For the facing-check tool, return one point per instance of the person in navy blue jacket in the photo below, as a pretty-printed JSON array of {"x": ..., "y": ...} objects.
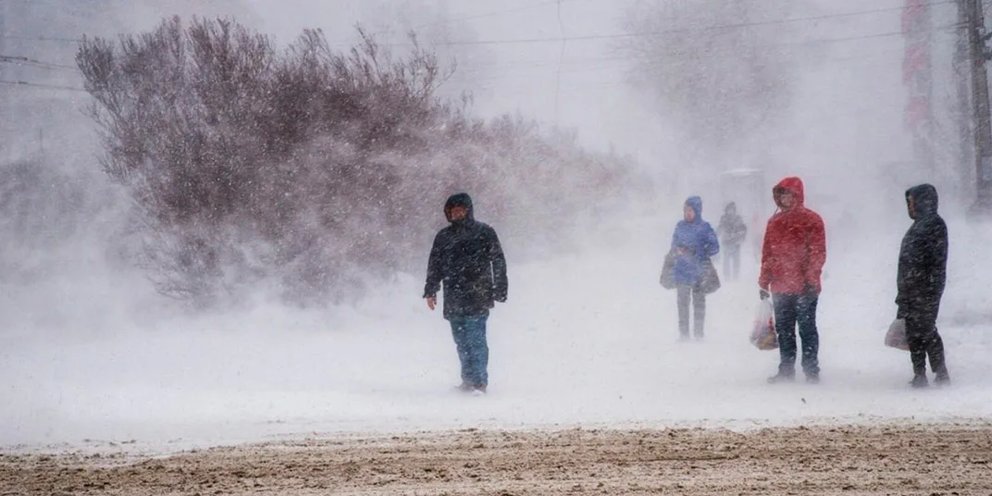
[
  {"x": 468, "y": 260},
  {"x": 693, "y": 242}
]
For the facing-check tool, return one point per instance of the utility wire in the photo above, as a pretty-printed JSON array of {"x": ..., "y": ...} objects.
[
  {"x": 16, "y": 59},
  {"x": 488, "y": 14},
  {"x": 718, "y": 27},
  {"x": 41, "y": 85},
  {"x": 848, "y": 62},
  {"x": 41, "y": 38},
  {"x": 707, "y": 54}
]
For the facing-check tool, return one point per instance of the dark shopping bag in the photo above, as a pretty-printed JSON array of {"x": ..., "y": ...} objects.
[
  {"x": 763, "y": 334},
  {"x": 710, "y": 281},
  {"x": 668, "y": 271}
]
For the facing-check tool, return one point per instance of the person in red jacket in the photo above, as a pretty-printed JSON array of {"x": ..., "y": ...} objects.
[{"x": 792, "y": 258}]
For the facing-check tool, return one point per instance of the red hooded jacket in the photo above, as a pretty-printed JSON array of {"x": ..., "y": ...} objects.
[{"x": 795, "y": 247}]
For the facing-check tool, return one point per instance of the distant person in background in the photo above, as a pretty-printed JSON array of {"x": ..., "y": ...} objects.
[
  {"x": 467, "y": 259},
  {"x": 920, "y": 282},
  {"x": 693, "y": 243},
  {"x": 792, "y": 257},
  {"x": 732, "y": 233}
]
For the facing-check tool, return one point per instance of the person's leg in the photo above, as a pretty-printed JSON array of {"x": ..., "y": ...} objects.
[
  {"x": 806, "y": 318},
  {"x": 928, "y": 343},
  {"x": 683, "y": 305},
  {"x": 917, "y": 330},
  {"x": 726, "y": 266},
  {"x": 478, "y": 351},
  {"x": 698, "y": 312},
  {"x": 785, "y": 326},
  {"x": 460, "y": 334},
  {"x": 735, "y": 254},
  {"x": 935, "y": 349}
]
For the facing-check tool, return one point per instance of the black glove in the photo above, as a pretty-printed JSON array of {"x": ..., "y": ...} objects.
[{"x": 763, "y": 294}]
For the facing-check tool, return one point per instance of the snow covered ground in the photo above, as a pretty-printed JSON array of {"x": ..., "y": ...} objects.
[{"x": 587, "y": 338}]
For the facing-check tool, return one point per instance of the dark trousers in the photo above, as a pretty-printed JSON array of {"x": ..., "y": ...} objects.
[
  {"x": 685, "y": 293},
  {"x": 792, "y": 309},
  {"x": 924, "y": 341},
  {"x": 473, "y": 351},
  {"x": 731, "y": 262}
]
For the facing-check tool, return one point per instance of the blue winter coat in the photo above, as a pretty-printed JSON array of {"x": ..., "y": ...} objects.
[{"x": 694, "y": 242}]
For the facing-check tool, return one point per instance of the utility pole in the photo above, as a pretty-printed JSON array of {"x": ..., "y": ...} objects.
[
  {"x": 973, "y": 19},
  {"x": 4, "y": 107}
]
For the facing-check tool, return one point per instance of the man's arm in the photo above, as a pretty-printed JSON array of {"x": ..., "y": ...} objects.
[
  {"x": 764, "y": 277},
  {"x": 937, "y": 255},
  {"x": 817, "y": 252},
  {"x": 711, "y": 245},
  {"x": 498, "y": 264},
  {"x": 434, "y": 274}
]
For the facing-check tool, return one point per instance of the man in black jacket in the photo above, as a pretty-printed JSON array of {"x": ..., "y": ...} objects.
[
  {"x": 468, "y": 260},
  {"x": 922, "y": 272}
]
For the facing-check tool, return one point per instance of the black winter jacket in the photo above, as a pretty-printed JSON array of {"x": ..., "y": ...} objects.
[
  {"x": 922, "y": 257},
  {"x": 468, "y": 259}
]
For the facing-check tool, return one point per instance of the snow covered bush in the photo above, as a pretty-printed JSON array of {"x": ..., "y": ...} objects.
[{"x": 309, "y": 168}]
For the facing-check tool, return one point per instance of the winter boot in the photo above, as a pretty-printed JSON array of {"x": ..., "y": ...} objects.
[
  {"x": 782, "y": 376},
  {"x": 919, "y": 381},
  {"x": 942, "y": 379}
]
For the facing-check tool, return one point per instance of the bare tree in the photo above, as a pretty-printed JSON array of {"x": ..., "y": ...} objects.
[
  {"x": 715, "y": 69},
  {"x": 308, "y": 168}
]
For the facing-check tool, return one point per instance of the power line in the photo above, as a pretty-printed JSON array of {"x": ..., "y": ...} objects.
[
  {"x": 848, "y": 62},
  {"x": 698, "y": 55},
  {"x": 682, "y": 30},
  {"x": 16, "y": 59},
  {"x": 41, "y": 38},
  {"x": 41, "y": 85},
  {"x": 488, "y": 14}
]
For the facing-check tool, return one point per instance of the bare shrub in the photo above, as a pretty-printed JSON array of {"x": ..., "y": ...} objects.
[{"x": 309, "y": 168}]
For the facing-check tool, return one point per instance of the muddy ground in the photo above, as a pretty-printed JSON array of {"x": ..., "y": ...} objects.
[{"x": 850, "y": 460}]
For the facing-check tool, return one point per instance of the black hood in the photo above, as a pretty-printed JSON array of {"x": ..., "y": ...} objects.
[
  {"x": 458, "y": 200},
  {"x": 924, "y": 200}
]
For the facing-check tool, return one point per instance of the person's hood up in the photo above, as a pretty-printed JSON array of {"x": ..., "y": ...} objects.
[
  {"x": 793, "y": 185},
  {"x": 731, "y": 208},
  {"x": 924, "y": 200},
  {"x": 696, "y": 204},
  {"x": 458, "y": 200}
]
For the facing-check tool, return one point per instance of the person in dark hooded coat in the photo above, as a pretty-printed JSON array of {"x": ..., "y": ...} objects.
[
  {"x": 732, "y": 233},
  {"x": 920, "y": 282},
  {"x": 468, "y": 260},
  {"x": 694, "y": 242}
]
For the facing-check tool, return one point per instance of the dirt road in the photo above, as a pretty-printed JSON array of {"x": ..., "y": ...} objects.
[{"x": 850, "y": 460}]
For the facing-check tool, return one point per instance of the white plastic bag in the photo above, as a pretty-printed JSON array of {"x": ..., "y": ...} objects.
[
  {"x": 896, "y": 335},
  {"x": 763, "y": 334}
]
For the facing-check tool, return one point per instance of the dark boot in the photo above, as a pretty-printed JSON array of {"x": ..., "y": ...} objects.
[
  {"x": 782, "y": 376},
  {"x": 935, "y": 350},
  {"x": 942, "y": 379},
  {"x": 919, "y": 381}
]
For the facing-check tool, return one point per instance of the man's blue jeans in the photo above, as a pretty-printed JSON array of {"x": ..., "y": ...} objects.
[
  {"x": 792, "y": 309},
  {"x": 473, "y": 351}
]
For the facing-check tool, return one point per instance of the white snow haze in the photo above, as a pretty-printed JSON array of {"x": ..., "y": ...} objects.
[{"x": 92, "y": 354}]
